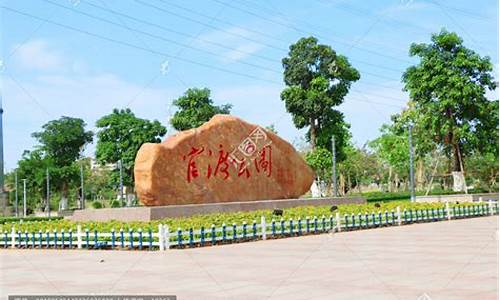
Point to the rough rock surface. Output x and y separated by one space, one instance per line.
224 160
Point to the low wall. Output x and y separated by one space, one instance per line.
148 213
459 198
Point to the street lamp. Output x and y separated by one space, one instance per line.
412 175
24 198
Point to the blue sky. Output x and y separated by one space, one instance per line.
145 53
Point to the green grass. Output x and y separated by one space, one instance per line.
206 221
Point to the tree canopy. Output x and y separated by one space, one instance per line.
317 80
196 107
121 134
448 87
62 142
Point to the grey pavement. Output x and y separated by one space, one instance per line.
444 260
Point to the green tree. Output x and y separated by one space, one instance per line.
62 142
195 108
448 89
358 168
317 80
393 150
32 167
119 137
320 160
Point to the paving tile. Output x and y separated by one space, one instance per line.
446 260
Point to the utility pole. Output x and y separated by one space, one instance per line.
82 197
48 192
334 168
24 198
121 183
412 175
17 196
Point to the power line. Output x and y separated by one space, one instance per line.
138 47
449 16
363 62
273 11
388 20
157 36
31 97
207 25
270 36
146 50
304 32
232 33
179 32
461 10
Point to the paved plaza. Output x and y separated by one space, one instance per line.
443 260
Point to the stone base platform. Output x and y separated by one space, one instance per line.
148 213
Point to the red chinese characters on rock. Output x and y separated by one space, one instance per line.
255 150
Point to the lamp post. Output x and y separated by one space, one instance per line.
17 196
82 196
3 196
121 183
48 192
24 198
412 175
334 168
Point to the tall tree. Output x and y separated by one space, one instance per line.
195 108
62 142
119 137
448 89
317 79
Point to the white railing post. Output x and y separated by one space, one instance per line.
166 237
13 237
79 237
337 219
490 207
398 212
448 214
161 237
263 227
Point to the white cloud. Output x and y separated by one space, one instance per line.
405 7
235 36
39 55
86 97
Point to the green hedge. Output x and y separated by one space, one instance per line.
4 220
196 222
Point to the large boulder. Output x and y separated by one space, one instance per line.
224 160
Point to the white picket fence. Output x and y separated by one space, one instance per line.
163 238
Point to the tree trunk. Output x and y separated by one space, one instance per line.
429 187
342 184
389 180
458 165
420 175
396 182
63 204
312 134
457 158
